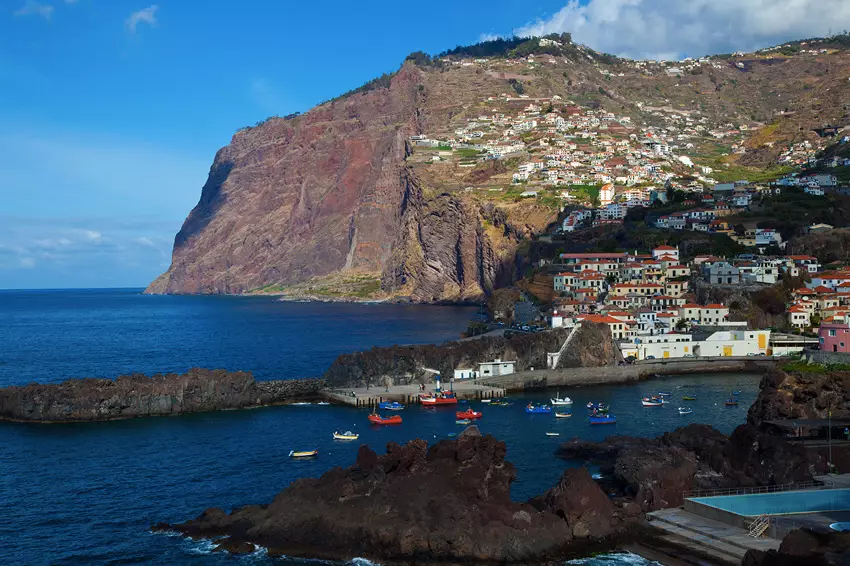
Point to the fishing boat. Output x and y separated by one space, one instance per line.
598 407
303 454
538 409
391 406
378 419
685 411
553 434
468 414
602 419
651 402
731 402
444 398
563 415
463 421
347 435
688 398
558 401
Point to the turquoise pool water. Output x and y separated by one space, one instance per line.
781 503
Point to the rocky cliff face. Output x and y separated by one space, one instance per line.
797 395
129 396
329 192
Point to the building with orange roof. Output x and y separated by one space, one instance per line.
616 326
661 251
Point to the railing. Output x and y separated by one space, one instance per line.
759 526
804 486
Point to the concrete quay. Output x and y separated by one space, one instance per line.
577 377
409 394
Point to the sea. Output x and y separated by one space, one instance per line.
87 493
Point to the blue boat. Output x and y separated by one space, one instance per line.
664 394
736 393
538 409
391 406
602 419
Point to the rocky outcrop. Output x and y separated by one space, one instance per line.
805 546
801 395
657 473
592 346
404 364
446 503
129 396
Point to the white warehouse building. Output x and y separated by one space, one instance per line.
723 343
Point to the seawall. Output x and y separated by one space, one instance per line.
577 377
132 396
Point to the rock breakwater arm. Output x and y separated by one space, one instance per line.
137 395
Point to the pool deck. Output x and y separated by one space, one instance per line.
724 541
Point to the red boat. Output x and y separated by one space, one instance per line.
445 398
468 414
378 419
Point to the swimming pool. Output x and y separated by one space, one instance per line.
781 503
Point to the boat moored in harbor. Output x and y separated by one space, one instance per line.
602 419
651 402
539 409
470 414
303 454
561 401
347 435
444 398
378 419
685 410
391 406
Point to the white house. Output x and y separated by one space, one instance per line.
465 373
496 367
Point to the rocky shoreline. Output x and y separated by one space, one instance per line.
137 395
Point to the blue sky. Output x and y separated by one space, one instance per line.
111 110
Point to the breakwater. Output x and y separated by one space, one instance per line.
137 395
611 375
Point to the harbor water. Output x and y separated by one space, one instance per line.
87 493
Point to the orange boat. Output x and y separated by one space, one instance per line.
445 398
378 419
469 414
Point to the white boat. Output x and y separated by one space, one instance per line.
553 434
685 411
486 400
347 435
648 402
300 404
561 402
563 415
323 403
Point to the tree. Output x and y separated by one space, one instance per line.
682 324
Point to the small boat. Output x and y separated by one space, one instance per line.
664 394
651 402
736 393
463 422
563 415
347 435
444 398
553 434
603 419
452 434
323 403
378 419
486 400
688 398
303 454
300 404
731 402
470 414
391 406
598 407
685 411
538 409
558 401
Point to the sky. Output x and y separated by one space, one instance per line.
111 111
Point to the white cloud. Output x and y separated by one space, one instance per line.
145 242
676 28
26 262
92 235
146 16
488 36
34 8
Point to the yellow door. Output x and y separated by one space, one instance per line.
727 350
687 350
762 341
666 354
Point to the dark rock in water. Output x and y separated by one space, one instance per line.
234 546
798 395
447 503
658 472
128 396
807 547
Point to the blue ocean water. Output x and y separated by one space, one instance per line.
87 493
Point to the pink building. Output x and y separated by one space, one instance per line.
834 337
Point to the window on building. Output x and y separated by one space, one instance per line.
832 332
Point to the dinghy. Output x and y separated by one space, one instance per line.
303 454
347 435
